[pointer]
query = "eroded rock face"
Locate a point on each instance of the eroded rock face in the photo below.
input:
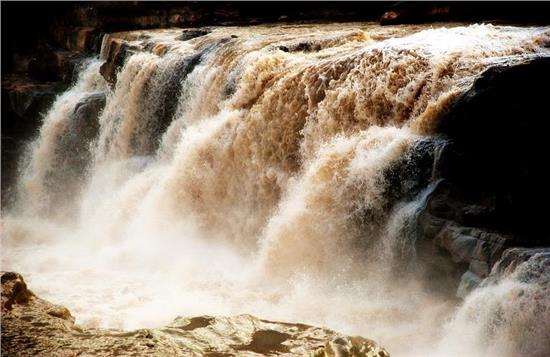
(489, 175)
(192, 33)
(536, 271)
(116, 52)
(86, 112)
(404, 12)
(32, 326)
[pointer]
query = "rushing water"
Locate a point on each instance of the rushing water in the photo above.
(243, 172)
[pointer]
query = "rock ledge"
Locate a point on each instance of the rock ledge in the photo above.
(32, 326)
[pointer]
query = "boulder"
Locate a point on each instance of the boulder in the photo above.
(76, 139)
(85, 117)
(480, 249)
(193, 33)
(116, 52)
(14, 290)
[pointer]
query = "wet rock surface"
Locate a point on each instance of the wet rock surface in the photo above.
(192, 33)
(85, 116)
(32, 326)
(489, 175)
(538, 260)
(116, 53)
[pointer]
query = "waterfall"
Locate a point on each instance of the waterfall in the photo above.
(247, 171)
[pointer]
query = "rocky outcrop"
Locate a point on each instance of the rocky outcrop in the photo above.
(192, 33)
(83, 128)
(27, 98)
(537, 267)
(54, 65)
(32, 326)
(85, 116)
(498, 136)
(404, 12)
(116, 52)
(487, 176)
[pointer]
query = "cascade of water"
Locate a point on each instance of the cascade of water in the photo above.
(249, 165)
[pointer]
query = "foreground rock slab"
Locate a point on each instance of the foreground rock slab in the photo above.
(32, 326)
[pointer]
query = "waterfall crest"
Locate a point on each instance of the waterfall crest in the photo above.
(249, 166)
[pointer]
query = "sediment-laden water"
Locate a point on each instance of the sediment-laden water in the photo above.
(245, 171)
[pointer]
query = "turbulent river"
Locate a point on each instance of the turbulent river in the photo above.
(242, 171)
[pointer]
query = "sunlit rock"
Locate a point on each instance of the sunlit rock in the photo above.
(32, 326)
